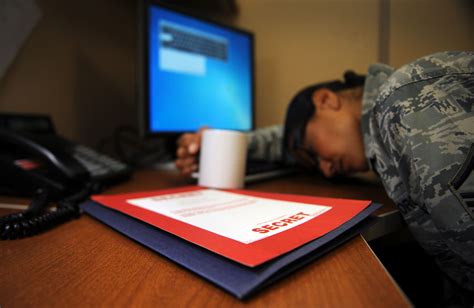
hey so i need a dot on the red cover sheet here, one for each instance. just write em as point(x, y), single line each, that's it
point(251, 254)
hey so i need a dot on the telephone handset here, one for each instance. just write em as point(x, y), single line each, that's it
point(34, 161)
point(28, 165)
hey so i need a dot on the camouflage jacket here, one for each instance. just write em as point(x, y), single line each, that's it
point(418, 126)
point(266, 143)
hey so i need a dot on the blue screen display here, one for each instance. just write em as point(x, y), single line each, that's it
point(200, 74)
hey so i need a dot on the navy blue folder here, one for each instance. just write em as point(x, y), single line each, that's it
point(239, 280)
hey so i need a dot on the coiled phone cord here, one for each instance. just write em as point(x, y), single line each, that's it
point(38, 218)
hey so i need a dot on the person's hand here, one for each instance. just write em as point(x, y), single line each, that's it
point(187, 152)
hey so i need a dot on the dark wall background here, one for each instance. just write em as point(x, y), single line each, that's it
point(79, 65)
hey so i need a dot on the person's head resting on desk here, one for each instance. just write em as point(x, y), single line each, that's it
point(322, 127)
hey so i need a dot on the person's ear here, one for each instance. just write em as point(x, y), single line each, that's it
point(326, 99)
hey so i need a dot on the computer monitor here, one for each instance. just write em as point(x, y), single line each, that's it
point(194, 73)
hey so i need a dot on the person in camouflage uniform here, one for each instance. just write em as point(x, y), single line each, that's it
point(413, 126)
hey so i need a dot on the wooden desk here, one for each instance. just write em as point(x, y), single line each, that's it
point(85, 263)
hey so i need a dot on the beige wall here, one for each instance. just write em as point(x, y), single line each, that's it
point(79, 63)
point(301, 42)
point(421, 27)
point(304, 41)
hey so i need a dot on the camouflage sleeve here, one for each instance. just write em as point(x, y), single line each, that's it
point(266, 143)
point(428, 130)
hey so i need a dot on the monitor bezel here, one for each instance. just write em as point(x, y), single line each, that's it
point(143, 67)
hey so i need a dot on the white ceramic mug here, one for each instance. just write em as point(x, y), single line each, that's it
point(222, 159)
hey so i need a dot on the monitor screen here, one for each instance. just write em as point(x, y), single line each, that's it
point(196, 73)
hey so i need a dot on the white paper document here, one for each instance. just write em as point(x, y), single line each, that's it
point(239, 217)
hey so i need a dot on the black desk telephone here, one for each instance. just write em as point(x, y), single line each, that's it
point(35, 161)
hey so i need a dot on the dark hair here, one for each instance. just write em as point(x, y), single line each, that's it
point(301, 107)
